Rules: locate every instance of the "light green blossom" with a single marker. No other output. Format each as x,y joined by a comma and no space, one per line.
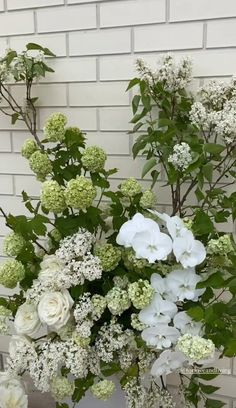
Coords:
140,293
109,256
188,223
80,193
99,305
4,317
65,332
148,199
11,272
52,196
54,128
130,187
220,246
13,244
94,159
131,262
196,348
40,164
117,301
121,281
135,322
81,341
61,388
28,148
103,390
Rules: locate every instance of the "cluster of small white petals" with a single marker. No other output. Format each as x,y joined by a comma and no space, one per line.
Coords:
75,246
181,157
83,329
22,354
126,358
76,359
83,307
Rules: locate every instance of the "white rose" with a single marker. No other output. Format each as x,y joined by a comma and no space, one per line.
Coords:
27,321
13,395
54,308
50,266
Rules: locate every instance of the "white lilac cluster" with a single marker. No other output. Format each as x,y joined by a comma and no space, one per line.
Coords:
181,156
215,111
172,75
144,236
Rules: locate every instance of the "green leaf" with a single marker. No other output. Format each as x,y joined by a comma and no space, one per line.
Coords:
213,148
215,281
210,376
208,171
14,118
130,373
33,46
197,313
110,369
135,103
230,349
208,389
132,83
148,166
202,223
212,403
81,386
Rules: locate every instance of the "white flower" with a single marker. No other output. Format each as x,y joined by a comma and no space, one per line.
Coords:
50,267
18,342
161,336
54,308
27,320
181,157
188,251
167,362
144,236
182,284
158,312
174,225
185,324
12,393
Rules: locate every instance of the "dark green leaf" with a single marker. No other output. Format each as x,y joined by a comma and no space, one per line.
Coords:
213,148
148,166
212,403
135,103
208,389
14,118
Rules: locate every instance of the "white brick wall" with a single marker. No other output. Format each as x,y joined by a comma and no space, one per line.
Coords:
96,43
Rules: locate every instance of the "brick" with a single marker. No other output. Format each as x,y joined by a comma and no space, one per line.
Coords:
227,384
98,94
168,37
13,205
28,184
66,19
16,23
113,142
83,1
95,42
13,164
85,119
115,118
132,12
55,42
197,10
23,4
6,184
70,70
49,95
221,33
117,68
5,142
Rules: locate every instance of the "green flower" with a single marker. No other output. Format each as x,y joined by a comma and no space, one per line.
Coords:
220,246
109,256
80,193
4,312
121,281
54,128
40,164
103,390
136,324
11,272
148,199
195,347
13,244
94,159
130,187
131,262
117,301
61,388
140,293
28,148
52,196
99,305
81,341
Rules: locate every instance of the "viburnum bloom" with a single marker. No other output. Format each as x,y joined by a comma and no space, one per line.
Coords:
161,336
167,362
158,312
182,283
188,251
185,324
144,236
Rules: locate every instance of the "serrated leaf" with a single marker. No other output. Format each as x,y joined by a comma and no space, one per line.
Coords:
148,166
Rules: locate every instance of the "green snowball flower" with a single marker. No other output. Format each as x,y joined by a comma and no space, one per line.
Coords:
80,193
81,341
94,159
140,293
131,262
136,324
11,272
54,128
148,199
117,301
52,197
13,244
99,305
220,246
109,256
130,187
28,148
103,390
61,388
40,164
196,348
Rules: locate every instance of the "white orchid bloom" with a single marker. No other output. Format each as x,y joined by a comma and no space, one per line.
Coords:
188,251
158,312
167,362
161,336
137,224
183,283
174,225
185,324
160,286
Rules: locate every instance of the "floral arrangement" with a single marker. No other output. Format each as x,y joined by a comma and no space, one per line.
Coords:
108,285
